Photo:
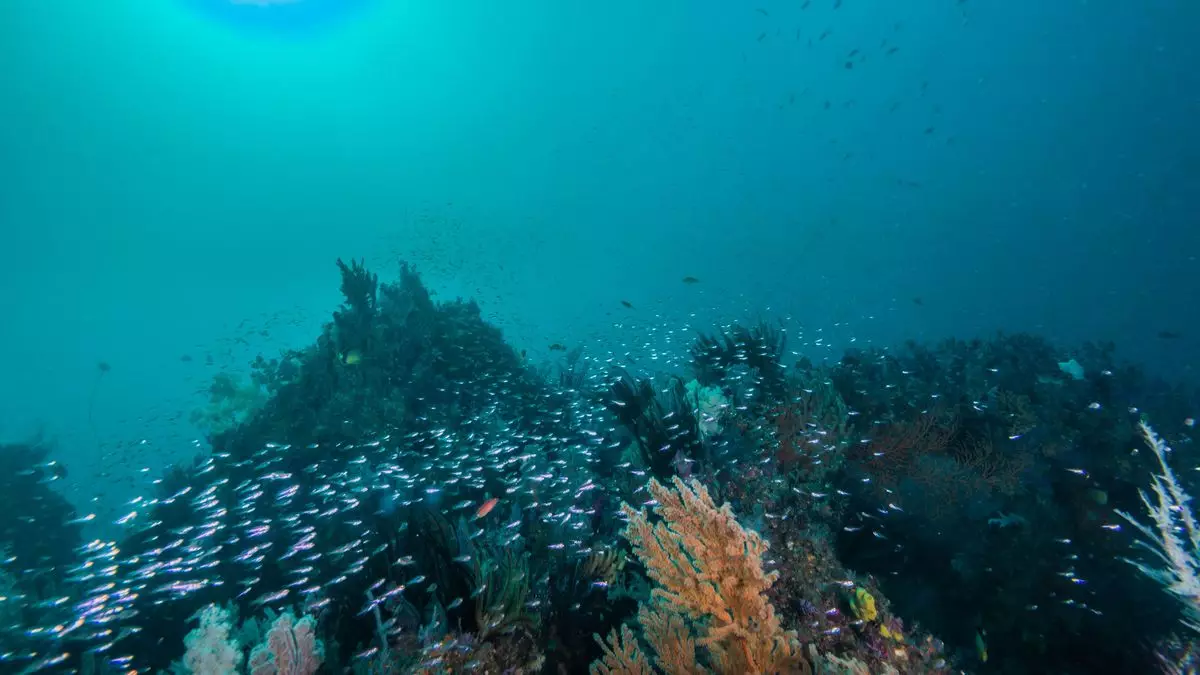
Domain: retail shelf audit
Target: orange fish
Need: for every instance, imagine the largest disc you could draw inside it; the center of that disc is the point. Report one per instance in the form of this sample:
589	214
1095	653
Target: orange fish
487	507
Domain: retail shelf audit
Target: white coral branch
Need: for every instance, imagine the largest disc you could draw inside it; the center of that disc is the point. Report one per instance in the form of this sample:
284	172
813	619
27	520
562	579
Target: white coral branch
1174	537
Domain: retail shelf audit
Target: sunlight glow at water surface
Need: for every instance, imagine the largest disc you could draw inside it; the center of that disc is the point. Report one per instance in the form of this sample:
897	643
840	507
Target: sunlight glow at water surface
279	16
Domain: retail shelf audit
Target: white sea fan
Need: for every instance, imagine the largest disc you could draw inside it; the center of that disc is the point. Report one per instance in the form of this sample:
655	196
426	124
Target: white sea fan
1175	537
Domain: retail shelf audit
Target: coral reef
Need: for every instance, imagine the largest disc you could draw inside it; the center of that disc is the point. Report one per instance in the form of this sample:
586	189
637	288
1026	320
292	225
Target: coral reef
709	591
289	647
413	492
211	648
1175	537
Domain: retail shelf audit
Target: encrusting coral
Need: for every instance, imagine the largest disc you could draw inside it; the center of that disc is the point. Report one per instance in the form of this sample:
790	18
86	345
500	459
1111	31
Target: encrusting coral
709	592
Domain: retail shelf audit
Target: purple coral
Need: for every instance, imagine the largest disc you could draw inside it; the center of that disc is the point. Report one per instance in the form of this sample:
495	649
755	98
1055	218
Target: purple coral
291	648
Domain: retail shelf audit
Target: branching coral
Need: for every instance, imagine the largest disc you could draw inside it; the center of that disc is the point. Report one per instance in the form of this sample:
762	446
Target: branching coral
622	655
231	402
291	648
829	664
502	585
210	647
360	288
710	592
663	422
1175	537
603	565
760	348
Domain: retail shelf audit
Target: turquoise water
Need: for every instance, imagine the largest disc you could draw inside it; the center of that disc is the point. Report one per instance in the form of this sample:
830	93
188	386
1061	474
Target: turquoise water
177	178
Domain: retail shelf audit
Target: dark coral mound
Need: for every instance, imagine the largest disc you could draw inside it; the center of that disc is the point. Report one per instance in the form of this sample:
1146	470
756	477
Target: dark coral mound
977	481
395	386
40	537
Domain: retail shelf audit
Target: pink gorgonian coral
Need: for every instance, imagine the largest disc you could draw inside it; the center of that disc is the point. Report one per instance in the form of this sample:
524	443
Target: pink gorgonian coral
291	648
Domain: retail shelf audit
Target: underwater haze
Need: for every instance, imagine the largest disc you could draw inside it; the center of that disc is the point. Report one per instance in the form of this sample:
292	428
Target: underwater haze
295	292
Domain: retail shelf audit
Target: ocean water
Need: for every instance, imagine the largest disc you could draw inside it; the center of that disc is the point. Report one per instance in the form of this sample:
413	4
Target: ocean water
897	281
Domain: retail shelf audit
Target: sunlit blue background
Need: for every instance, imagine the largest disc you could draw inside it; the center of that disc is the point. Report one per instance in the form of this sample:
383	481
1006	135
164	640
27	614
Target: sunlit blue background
175	181
282	17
